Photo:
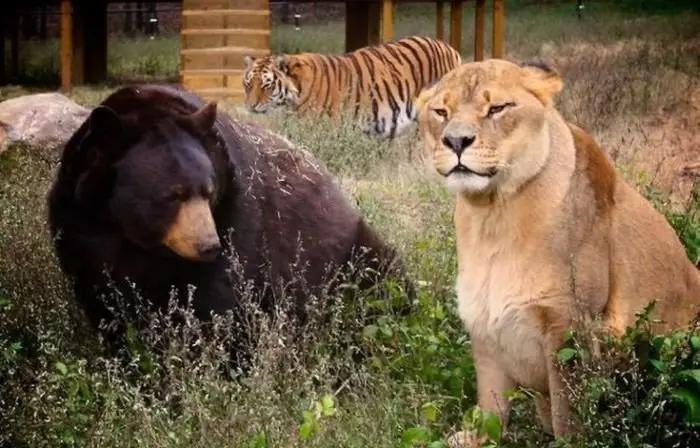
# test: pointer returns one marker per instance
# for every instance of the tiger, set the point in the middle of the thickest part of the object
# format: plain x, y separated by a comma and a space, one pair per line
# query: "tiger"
379, 81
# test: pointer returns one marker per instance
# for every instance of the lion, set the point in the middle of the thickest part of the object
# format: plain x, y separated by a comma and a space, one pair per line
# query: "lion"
548, 234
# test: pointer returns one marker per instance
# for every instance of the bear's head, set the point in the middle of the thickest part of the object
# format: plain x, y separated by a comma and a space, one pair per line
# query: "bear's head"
153, 178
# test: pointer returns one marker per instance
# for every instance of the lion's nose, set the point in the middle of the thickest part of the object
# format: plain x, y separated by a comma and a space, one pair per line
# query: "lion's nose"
458, 143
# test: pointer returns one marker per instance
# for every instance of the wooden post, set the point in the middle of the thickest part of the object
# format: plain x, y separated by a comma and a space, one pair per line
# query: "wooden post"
479, 16
498, 28
3, 26
439, 21
15, 32
66, 44
362, 24
456, 24
94, 25
374, 24
387, 20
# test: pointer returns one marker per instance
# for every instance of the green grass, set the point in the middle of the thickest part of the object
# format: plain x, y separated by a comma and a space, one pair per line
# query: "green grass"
57, 391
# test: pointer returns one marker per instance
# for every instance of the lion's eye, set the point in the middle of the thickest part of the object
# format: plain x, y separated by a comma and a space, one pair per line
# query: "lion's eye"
442, 113
498, 108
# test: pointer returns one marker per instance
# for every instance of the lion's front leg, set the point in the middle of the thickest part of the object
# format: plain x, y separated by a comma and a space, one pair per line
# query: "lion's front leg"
491, 384
560, 414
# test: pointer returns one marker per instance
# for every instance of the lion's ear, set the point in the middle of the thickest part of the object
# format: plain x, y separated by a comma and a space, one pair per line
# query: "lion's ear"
542, 80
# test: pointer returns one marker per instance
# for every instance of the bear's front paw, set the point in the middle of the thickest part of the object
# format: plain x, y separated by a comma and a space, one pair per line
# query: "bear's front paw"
466, 439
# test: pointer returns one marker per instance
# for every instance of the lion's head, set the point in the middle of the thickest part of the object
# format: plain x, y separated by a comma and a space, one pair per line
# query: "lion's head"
484, 124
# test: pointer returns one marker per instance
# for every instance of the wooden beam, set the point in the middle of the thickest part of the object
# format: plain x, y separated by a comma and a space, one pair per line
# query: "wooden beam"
479, 16
66, 44
498, 28
456, 12
387, 20
439, 20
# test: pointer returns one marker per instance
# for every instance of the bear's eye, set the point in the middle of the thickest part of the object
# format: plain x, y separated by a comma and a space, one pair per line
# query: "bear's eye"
207, 191
497, 108
176, 193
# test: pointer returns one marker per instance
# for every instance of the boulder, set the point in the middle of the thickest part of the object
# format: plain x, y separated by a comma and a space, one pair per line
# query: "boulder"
43, 121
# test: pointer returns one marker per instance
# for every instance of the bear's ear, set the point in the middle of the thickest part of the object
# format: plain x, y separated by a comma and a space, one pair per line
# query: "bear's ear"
105, 132
104, 121
204, 118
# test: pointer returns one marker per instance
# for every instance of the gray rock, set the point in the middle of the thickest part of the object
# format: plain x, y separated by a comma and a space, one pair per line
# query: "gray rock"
43, 121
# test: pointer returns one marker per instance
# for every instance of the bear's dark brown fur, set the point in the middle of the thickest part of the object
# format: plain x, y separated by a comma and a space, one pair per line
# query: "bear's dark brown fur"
154, 182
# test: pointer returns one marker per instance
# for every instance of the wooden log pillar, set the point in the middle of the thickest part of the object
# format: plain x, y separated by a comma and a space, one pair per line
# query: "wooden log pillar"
387, 20
456, 12
479, 16
498, 28
71, 60
362, 24
439, 20
3, 28
15, 34
83, 42
94, 25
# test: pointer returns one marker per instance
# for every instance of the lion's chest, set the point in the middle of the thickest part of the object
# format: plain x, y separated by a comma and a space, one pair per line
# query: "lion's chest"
494, 301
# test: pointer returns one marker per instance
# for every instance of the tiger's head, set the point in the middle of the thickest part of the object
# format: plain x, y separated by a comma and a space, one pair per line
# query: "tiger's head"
267, 83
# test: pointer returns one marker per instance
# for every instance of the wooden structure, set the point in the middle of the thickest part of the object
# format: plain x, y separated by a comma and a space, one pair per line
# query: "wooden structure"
216, 34
369, 22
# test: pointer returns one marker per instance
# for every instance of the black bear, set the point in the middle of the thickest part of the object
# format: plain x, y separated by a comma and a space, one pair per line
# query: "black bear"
157, 186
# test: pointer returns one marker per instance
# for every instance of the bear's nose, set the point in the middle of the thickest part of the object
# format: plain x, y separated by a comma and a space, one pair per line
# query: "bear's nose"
458, 143
209, 250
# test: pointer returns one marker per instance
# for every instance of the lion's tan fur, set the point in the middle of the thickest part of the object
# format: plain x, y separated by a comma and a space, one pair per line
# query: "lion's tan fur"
554, 238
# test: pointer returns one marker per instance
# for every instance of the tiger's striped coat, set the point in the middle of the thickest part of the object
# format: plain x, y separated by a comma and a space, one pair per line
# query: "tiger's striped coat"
380, 82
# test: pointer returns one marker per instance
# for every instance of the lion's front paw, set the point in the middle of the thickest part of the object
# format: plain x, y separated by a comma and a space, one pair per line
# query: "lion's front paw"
466, 439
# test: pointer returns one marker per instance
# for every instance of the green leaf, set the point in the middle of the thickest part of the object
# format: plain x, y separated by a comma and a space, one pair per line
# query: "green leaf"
327, 401
691, 402
658, 364
430, 411
305, 430
437, 444
370, 332
568, 335
415, 434
491, 426
260, 441
692, 373
328, 405
566, 354
63, 370
695, 342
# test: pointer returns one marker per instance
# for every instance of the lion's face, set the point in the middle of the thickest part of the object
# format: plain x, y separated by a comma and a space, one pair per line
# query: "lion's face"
484, 121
